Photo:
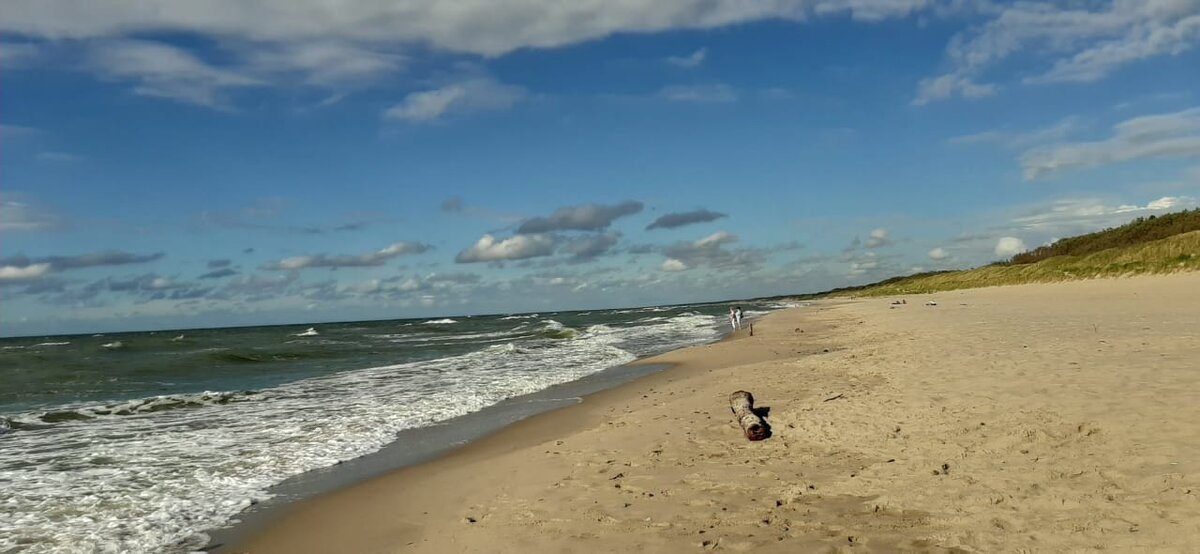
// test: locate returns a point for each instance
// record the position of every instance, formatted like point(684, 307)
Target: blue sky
point(167, 165)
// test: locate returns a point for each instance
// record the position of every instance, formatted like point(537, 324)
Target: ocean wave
point(446, 321)
point(114, 345)
point(51, 344)
point(527, 316)
point(209, 455)
point(139, 406)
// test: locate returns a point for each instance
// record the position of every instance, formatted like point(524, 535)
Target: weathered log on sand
point(742, 404)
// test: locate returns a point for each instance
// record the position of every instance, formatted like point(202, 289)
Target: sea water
point(139, 442)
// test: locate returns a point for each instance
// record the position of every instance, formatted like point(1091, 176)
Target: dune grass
point(1166, 255)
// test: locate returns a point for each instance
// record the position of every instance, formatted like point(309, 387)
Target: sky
point(225, 162)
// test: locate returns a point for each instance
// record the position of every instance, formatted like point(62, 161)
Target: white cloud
point(872, 10)
point(699, 94)
point(672, 265)
point(1158, 36)
point(1008, 247)
point(161, 283)
point(324, 63)
point(693, 60)
point(15, 55)
point(878, 238)
point(1078, 215)
point(519, 247)
point(710, 251)
point(165, 71)
point(938, 254)
point(716, 239)
point(1052, 133)
point(1082, 41)
point(376, 258)
point(12, 273)
point(481, 27)
point(1079, 41)
point(1170, 135)
point(949, 86)
point(468, 96)
point(18, 215)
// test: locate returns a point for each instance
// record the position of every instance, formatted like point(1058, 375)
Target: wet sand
point(1053, 418)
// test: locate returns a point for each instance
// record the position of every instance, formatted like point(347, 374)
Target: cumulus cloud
point(672, 265)
point(586, 217)
point(519, 247)
point(699, 94)
point(877, 238)
point(472, 95)
point(862, 264)
point(587, 248)
point(693, 60)
point(1169, 135)
point(376, 258)
point(21, 273)
point(679, 219)
point(214, 264)
point(710, 251)
point(1008, 247)
point(938, 254)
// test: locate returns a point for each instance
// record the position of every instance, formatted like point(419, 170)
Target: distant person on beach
point(733, 323)
point(737, 317)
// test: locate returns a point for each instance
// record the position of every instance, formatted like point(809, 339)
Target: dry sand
point(1040, 418)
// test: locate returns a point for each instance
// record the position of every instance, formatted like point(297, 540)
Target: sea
point(143, 442)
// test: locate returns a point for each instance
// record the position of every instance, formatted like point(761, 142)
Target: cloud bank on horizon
point(174, 165)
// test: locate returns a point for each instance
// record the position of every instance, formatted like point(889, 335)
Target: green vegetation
point(1138, 231)
point(1163, 244)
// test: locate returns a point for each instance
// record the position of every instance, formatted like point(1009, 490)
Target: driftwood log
point(742, 404)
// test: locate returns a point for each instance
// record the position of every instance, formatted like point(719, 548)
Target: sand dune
point(1050, 418)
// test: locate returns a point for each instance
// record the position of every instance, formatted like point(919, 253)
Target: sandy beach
point(1036, 418)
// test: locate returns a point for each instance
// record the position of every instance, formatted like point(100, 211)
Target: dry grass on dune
point(1168, 255)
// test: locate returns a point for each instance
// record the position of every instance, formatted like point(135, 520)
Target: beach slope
point(1055, 417)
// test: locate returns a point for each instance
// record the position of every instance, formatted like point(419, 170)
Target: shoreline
point(1056, 417)
point(423, 445)
point(676, 365)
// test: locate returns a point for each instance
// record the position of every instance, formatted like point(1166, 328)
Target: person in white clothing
point(737, 317)
point(733, 323)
